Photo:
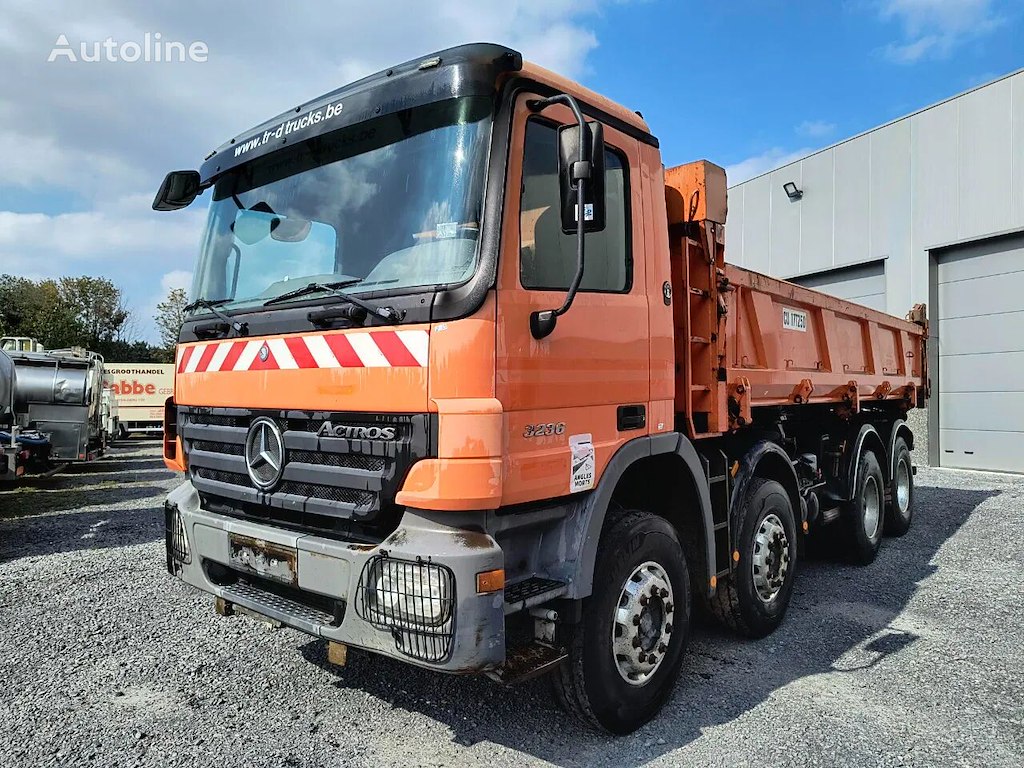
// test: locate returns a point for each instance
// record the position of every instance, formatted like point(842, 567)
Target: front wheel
point(626, 652)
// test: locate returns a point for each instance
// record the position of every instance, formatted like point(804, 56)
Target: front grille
point(330, 492)
point(317, 458)
point(332, 485)
point(229, 478)
point(346, 460)
point(413, 599)
point(214, 419)
point(231, 449)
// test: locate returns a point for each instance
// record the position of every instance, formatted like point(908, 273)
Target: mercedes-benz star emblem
point(264, 453)
point(264, 353)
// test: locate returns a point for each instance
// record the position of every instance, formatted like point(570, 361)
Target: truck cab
point(434, 396)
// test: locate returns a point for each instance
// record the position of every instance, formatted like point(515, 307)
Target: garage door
point(980, 337)
point(864, 284)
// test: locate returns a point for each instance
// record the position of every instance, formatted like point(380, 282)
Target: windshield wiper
point(212, 305)
point(384, 313)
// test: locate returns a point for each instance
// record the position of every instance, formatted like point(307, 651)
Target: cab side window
point(547, 257)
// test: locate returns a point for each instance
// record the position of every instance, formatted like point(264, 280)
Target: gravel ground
point(916, 660)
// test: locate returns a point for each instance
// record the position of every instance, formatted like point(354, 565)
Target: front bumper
point(328, 571)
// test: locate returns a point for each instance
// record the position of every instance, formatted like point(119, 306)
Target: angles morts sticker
point(582, 467)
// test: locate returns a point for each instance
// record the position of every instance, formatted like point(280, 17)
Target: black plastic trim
point(596, 503)
point(523, 83)
point(466, 70)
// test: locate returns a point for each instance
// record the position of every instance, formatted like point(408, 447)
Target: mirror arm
point(542, 322)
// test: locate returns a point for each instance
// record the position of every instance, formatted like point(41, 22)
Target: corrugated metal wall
point(950, 173)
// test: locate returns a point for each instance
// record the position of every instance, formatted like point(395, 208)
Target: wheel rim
point(642, 629)
point(769, 560)
point(903, 486)
point(872, 506)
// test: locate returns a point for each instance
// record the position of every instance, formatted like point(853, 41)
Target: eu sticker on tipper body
point(582, 464)
point(794, 319)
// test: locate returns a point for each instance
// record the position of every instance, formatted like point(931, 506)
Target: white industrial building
point(928, 208)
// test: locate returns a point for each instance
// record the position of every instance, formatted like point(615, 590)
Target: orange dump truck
point(468, 382)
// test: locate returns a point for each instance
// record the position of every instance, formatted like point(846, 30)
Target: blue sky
point(744, 80)
point(747, 84)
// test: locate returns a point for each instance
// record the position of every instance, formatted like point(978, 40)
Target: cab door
point(570, 399)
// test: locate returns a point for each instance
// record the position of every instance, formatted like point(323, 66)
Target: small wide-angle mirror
point(178, 190)
point(568, 155)
point(290, 230)
point(250, 227)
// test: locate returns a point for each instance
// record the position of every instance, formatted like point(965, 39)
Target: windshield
point(393, 202)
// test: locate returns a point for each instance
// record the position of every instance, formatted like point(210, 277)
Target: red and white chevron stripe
point(364, 349)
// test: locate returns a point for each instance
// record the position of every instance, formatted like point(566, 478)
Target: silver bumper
point(338, 570)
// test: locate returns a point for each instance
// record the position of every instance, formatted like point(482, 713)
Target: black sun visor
point(468, 70)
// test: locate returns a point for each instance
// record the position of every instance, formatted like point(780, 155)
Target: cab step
point(525, 662)
point(533, 591)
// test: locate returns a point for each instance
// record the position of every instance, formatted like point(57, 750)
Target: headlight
point(176, 540)
point(414, 600)
point(403, 593)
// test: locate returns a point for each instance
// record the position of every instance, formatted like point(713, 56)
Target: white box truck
point(140, 390)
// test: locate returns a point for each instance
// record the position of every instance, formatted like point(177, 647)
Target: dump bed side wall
point(796, 345)
point(745, 340)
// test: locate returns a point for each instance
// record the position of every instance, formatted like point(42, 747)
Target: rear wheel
point(753, 599)
point(626, 652)
point(900, 509)
point(865, 513)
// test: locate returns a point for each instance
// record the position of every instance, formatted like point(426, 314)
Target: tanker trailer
point(21, 451)
point(59, 393)
point(7, 446)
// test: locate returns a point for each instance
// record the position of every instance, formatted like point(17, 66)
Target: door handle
point(631, 417)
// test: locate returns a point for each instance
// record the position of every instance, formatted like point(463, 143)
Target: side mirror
point(581, 178)
point(569, 138)
point(179, 189)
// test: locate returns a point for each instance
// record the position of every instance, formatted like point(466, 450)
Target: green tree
point(83, 311)
point(37, 309)
point(97, 306)
point(18, 304)
point(119, 351)
point(170, 314)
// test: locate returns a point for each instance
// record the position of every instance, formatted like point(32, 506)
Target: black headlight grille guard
point(176, 542)
point(415, 600)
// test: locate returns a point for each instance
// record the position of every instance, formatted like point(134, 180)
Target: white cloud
point(178, 278)
point(933, 28)
point(104, 133)
point(816, 129)
point(769, 160)
point(122, 240)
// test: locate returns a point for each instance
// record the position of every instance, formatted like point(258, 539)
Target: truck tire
point(627, 649)
point(865, 513)
point(753, 599)
point(900, 510)
point(122, 432)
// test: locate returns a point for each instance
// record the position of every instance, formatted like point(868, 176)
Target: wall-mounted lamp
point(792, 191)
